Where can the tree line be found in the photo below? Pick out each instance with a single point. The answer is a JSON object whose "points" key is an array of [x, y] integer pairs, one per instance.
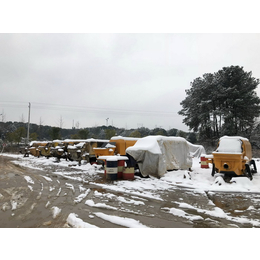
{"points": [[16, 132]]}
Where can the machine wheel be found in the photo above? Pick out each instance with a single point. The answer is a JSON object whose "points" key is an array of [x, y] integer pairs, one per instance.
{"points": [[248, 172], [213, 169], [254, 170]]}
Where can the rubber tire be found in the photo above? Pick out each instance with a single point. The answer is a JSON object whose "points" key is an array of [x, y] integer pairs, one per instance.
{"points": [[213, 170], [248, 171]]}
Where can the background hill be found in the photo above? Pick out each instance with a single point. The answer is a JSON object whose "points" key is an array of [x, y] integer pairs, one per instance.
{"points": [[16, 132]]}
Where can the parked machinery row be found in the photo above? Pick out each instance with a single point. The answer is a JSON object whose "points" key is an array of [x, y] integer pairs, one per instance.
{"points": [[233, 156], [77, 150], [69, 149]]}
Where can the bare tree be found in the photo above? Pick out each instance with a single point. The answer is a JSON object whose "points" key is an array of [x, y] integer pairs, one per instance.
{"points": [[3, 116], [41, 122], [22, 119], [61, 123]]}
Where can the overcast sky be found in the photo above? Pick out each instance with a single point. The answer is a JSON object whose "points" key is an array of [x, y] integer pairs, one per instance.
{"points": [[132, 79]]}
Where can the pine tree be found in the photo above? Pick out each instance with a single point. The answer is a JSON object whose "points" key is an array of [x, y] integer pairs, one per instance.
{"points": [[222, 103]]}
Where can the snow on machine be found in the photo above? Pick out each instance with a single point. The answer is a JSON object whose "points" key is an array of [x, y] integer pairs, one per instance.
{"points": [[116, 145], [45, 150], [81, 149], [35, 148], [155, 155], [233, 157]]}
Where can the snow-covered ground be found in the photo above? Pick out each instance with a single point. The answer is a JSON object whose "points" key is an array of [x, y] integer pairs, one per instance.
{"points": [[199, 180]]}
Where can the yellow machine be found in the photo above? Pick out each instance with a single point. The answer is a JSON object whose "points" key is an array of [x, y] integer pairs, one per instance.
{"points": [[116, 145], [45, 150], [57, 143], [34, 151], [83, 149], [233, 157], [122, 143], [36, 147], [109, 149], [73, 149]]}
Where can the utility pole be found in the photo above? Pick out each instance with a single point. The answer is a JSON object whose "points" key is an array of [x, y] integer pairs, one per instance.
{"points": [[107, 120], [28, 123]]}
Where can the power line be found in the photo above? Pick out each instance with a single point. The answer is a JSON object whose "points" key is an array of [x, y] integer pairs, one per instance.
{"points": [[38, 105]]}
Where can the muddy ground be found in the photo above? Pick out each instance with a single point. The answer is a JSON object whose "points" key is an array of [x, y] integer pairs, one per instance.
{"points": [[28, 199]]}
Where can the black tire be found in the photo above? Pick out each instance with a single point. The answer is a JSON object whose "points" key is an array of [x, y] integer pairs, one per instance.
{"points": [[213, 170], [252, 162], [248, 172]]}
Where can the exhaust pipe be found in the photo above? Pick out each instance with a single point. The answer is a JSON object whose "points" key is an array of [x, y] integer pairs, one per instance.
{"points": [[225, 166]]}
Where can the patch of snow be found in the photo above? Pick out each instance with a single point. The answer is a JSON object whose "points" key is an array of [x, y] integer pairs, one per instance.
{"points": [[185, 205], [183, 214], [47, 178], [126, 222], [107, 195], [82, 196], [135, 202], [140, 187], [5, 206], [98, 194], [47, 204], [55, 212], [91, 203], [51, 188], [76, 222], [14, 204], [70, 186], [219, 213], [135, 197], [59, 191], [81, 188], [29, 179]]}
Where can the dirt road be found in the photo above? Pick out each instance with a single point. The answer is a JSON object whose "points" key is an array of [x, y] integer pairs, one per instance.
{"points": [[29, 199], [41, 198]]}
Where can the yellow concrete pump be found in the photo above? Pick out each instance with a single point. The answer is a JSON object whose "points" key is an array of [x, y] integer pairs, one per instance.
{"points": [[233, 157]]}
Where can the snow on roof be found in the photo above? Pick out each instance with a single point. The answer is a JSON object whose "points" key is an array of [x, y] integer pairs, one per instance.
{"points": [[57, 141], [38, 142], [85, 140], [113, 157], [74, 140], [150, 143], [80, 145], [124, 138], [230, 144], [97, 140], [233, 137], [109, 145], [72, 147]]}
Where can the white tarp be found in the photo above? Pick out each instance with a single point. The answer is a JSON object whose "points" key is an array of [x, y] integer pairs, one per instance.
{"points": [[196, 150], [156, 155]]}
